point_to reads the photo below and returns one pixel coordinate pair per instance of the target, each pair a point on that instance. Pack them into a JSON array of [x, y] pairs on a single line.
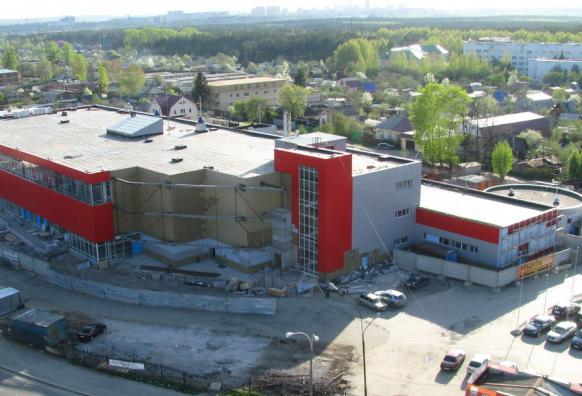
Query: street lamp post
[[574, 275], [313, 339], [363, 329]]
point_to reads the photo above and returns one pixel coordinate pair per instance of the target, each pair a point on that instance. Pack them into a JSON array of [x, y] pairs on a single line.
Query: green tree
[[533, 139], [575, 165], [300, 77], [79, 65], [10, 58], [2, 97], [45, 70], [102, 78], [559, 95], [553, 78], [502, 159], [68, 53], [356, 55], [340, 124], [132, 80], [293, 99], [437, 115], [253, 109], [53, 52], [200, 91]]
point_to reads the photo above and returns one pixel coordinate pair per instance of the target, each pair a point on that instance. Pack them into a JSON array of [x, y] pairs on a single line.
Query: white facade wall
[[183, 108], [520, 53], [376, 200], [538, 68], [487, 253]]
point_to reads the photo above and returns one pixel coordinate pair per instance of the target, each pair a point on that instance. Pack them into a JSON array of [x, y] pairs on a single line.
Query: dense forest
[[316, 40]]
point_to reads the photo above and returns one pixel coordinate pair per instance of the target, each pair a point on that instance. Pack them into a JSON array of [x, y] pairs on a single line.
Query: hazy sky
[[50, 8]]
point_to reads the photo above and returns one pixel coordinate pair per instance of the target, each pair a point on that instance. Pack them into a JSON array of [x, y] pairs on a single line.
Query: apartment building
[[520, 53], [224, 93]]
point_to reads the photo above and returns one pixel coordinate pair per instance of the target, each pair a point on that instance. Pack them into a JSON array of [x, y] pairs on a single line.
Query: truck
[[10, 300]]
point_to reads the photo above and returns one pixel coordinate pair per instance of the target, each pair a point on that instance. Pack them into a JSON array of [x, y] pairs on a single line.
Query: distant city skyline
[[110, 8]]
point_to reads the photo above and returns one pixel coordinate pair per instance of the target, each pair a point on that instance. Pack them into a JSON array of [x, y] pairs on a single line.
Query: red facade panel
[[94, 223], [335, 202], [91, 178], [468, 228]]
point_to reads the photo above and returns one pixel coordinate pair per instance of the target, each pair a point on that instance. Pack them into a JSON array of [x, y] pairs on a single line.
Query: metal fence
[[267, 383]]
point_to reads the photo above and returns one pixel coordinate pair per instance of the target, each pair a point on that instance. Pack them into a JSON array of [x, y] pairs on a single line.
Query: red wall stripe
[[335, 202], [91, 178], [94, 223], [457, 225]]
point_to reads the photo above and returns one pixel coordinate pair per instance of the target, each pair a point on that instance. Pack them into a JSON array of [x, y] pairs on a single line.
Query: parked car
[[538, 325], [416, 280], [576, 342], [565, 310], [384, 146], [478, 361], [88, 332], [372, 301], [453, 360], [392, 298], [561, 332]]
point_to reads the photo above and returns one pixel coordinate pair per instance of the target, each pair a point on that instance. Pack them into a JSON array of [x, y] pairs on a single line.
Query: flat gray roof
[[513, 118], [476, 206], [310, 139], [87, 146], [540, 194]]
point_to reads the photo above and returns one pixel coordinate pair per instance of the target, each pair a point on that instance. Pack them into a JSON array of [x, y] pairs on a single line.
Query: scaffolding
[[244, 211]]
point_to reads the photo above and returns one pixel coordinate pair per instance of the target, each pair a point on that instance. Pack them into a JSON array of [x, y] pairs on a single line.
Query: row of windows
[[93, 251], [402, 212], [93, 194], [267, 92], [401, 241], [247, 86], [450, 242], [404, 184]]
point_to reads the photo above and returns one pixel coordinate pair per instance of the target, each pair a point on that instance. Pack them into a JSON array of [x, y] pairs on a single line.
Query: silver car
[[561, 332], [372, 301], [391, 297]]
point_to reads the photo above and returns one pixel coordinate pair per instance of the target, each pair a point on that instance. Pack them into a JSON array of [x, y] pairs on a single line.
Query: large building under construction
[[102, 177]]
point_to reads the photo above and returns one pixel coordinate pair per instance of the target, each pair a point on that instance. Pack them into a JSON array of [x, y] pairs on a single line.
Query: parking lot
[[404, 347]]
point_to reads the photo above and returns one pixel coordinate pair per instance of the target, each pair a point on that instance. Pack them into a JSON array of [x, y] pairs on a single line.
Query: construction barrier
[[246, 305]]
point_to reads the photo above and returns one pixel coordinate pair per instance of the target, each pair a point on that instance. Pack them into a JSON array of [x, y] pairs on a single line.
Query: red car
[[453, 360]]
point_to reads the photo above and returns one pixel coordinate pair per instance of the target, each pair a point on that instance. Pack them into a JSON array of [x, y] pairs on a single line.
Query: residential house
[[535, 101], [173, 106], [9, 77], [350, 83], [391, 128]]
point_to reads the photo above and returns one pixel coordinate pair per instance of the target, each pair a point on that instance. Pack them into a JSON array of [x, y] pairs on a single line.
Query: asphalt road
[[26, 372]]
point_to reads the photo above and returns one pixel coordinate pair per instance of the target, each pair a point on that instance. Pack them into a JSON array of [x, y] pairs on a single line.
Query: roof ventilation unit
[[201, 125], [176, 160], [180, 147], [64, 114], [64, 121]]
